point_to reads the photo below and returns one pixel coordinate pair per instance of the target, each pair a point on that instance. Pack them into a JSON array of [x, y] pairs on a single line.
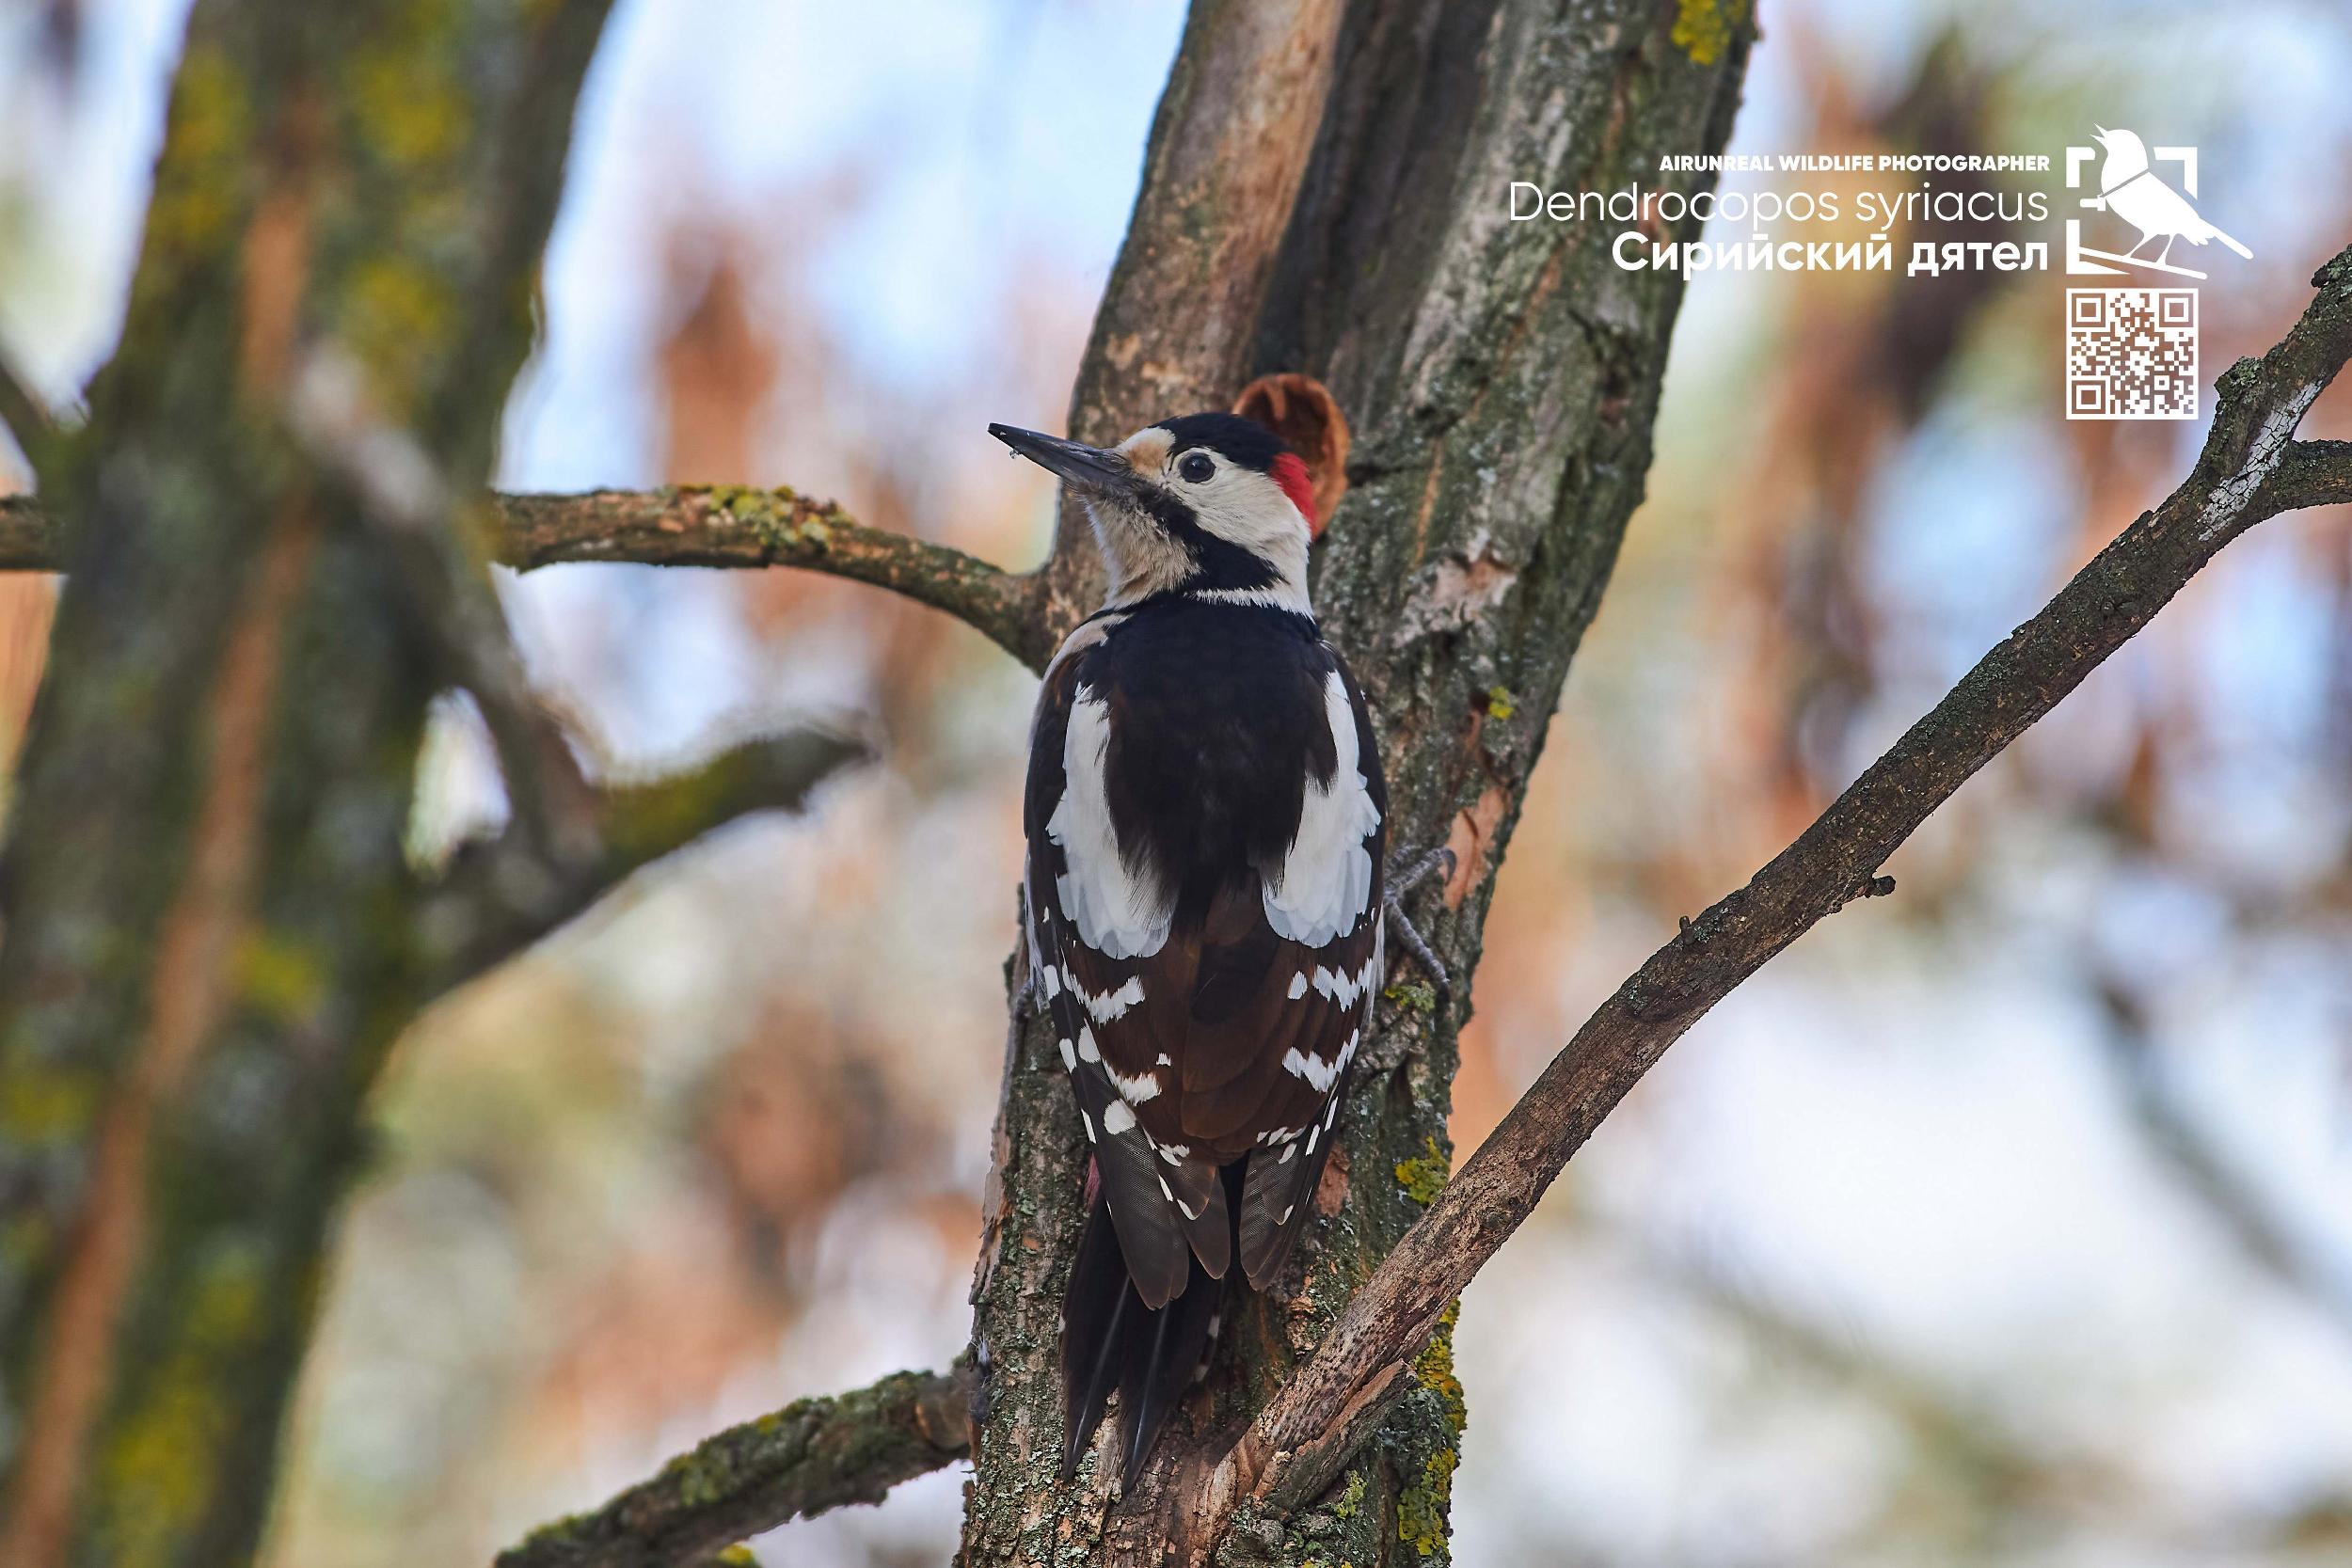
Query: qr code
[[2131, 354]]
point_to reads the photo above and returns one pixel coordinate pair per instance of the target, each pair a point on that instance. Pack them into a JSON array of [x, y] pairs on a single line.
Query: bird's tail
[[2230, 243], [1110, 1339]]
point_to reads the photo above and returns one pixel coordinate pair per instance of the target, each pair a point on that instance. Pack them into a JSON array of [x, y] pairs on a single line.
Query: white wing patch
[[1117, 913], [1325, 880]]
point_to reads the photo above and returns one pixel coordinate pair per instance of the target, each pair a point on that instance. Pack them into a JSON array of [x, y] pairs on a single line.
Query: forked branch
[[2251, 469], [502, 896]]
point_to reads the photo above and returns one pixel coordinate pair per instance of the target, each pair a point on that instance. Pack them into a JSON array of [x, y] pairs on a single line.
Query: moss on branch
[[812, 1455], [716, 525]]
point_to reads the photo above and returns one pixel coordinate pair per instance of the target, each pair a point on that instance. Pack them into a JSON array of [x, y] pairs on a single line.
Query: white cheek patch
[[1117, 911], [1325, 880]]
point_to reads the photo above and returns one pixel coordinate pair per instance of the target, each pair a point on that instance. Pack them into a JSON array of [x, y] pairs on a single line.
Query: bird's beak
[[2098, 134], [1090, 468]]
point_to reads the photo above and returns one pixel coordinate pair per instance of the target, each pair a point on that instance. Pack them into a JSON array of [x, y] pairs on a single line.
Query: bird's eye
[[1195, 469]]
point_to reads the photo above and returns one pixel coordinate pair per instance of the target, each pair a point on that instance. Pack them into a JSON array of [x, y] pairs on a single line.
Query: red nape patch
[[1289, 471]]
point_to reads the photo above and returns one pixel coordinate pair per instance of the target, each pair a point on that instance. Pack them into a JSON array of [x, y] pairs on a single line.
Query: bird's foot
[[1407, 874]]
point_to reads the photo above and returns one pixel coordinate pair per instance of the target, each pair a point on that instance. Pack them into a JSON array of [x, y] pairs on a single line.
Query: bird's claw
[[1410, 870], [1407, 874]]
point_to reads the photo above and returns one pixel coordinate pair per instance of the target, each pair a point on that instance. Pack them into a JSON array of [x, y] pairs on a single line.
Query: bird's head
[[1212, 504]]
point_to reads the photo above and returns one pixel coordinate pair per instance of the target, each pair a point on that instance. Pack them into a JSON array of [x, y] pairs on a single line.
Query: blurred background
[[2006, 1221]]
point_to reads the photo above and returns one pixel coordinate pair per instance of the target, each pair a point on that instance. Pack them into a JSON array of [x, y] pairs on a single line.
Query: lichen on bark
[[211, 941]]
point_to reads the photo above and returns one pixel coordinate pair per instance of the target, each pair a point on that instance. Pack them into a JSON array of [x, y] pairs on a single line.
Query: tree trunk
[[1500, 379], [209, 941]]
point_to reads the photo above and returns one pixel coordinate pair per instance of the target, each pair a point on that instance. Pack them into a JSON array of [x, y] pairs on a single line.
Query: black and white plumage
[[1205, 815]]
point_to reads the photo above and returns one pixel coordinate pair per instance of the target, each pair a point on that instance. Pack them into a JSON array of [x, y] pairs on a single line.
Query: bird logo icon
[[2130, 187]]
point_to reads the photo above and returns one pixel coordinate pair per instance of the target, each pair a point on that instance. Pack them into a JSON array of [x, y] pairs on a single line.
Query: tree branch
[[699, 526], [2313, 473], [2204, 1170], [1305, 1434], [738, 526], [420, 531], [501, 896], [30, 539], [812, 1455]]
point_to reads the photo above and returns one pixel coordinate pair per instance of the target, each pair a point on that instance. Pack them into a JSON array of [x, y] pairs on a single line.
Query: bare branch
[[404, 499], [1305, 1434], [812, 1455], [30, 539], [2263, 1237], [738, 526], [729, 526], [512, 210], [2313, 473], [501, 896]]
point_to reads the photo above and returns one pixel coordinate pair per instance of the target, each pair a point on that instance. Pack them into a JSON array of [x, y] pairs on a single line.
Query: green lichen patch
[[201, 184], [778, 518], [285, 977], [1417, 996], [1702, 28], [1423, 1507], [1433, 1370], [1423, 1175], [1500, 703], [42, 1104]]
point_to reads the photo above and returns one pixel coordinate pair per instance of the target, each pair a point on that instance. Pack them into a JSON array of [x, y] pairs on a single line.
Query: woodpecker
[[1204, 893]]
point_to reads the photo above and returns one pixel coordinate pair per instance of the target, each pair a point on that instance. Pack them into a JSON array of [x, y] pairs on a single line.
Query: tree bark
[[209, 941], [1500, 379]]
